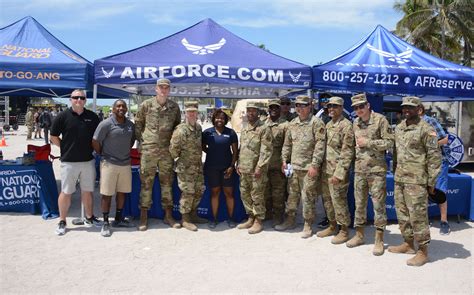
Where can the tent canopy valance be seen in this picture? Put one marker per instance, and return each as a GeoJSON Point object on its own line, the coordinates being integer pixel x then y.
{"type": "Point", "coordinates": [383, 63]}
{"type": "Point", "coordinates": [203, 60]}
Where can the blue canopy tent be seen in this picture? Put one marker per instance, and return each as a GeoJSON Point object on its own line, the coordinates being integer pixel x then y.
{"type": "Point", "coordinates": [204, 60]}
{"type": "Point", "coordinates": [384, 64]}
{"type": "Point", "coordinates": [35, 63]}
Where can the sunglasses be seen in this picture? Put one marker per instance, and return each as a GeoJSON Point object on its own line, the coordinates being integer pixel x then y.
{"type": "Point", "coordinates": [300, 105]}
{"type": "Point", "coordinates": [333, 106]}
{"type": "Point", "coordinates": [359, 107]}
{"type": "Point", "coordinates": [78, 97]}
{"type": "Point", "coordinates": [285, 103]}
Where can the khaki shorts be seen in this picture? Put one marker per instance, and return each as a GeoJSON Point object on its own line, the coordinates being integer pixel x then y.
{"type": "Point", "coordinates": [115, 178]}
{"type": "Point", "coordinates": [72, 172]}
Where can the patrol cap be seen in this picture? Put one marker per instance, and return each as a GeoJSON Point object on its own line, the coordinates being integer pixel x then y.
{"type": "Point", "coordinates": [191, 106]}
{"type": "Point", "coordinates": [303, 99]}
{"type": "Point", "coordinates": [163, 81]}
{"type": "Point", "coordinates": [273, 102]}
{"type": "Point", "coordinates": [336, 100]}
{"type": "Point", "coordinates": [411, 101]}
{"type": "Point", "coordinates": [285, 100]}
{"type": "Point", "coordinates": [358, 99]}
{"type": "Point", "coordinates": [252, 104]}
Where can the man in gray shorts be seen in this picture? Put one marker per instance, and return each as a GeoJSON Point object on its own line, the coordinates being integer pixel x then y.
{"type": "Point", "coordinates": [76, 126]}
{"type": "Point", "coordinates": [113, 139]}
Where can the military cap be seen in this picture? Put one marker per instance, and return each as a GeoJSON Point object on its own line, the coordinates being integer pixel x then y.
{"type": "Point", "coordinates": [273, 102]}
{"type": "Point", "coordinates": [253, 104]}
{"type": "Point", "coordinates": [358, 99]}
{"type": "Point", "coordinates": [191, 106]}
{"type": "Point", "coordinates": [302, 99]}
{"type": "Point", "coordinates": [411, 101]}
{"type": "Point", "coordinates": [285, 99]}
{"type": "Point", "coordinates": [336, 100]}
{"type": "Point", "coordinates": [163, 81]}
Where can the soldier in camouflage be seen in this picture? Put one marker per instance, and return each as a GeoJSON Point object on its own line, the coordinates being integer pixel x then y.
{"type": "Point", "coordinates": [304, 148]}
{"type": "Point", "coordinates": [373, 137]}
{"type": "Point", "coordinates": [154, 124]}
{"type": "Point", "coordinates": [417, 163]}
{"type": "Point", "coordinates": [276, 186]}
{"type": "Point", "coordinates": [29, 122]}
{"type": "Point", "coordinates": [186, 150]}
{"type": "Point", "coordinates": [285, 109]}
{"type": "Point", "coordinates": [254, 157]}
{"type": "Point", "coordinates": [335, 181]}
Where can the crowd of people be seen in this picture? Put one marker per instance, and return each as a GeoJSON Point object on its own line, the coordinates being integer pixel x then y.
{"type": "Point", "coordinates": [280, 160]}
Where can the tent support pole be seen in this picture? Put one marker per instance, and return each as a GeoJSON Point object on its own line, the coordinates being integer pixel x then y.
{"type": "Point", "coordinates": [94, 97]}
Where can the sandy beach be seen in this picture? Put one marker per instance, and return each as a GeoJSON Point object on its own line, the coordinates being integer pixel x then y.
{"type": "Point", "coordinates": [33, 260]}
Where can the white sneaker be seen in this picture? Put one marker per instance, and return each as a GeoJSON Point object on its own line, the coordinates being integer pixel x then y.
{"type": "Point", "coordinates": [61, 229]}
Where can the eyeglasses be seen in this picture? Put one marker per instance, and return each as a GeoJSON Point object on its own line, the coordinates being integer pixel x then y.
{"type": "Point", "coordinates": [359, 107]}
{"type": "Point", "coordinates": [78, 97]}
{"type": "Point", "coordinates": [285, 103]}
{"type": "Point", "coordinates": [300, 105]}
{"type": "Point", "coordinates": [333, 106]}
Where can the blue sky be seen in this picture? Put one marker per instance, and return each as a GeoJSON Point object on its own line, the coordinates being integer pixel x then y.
{"type": "Point", "coordinates": [308, 31]}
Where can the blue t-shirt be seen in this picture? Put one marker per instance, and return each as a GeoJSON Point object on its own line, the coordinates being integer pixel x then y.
{"type": "Point", "coordinates": [219, 155]}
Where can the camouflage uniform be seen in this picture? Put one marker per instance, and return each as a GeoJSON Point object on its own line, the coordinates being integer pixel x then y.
{"type": "Point", "coordinates": [289, 117]}
{"type": "Point", "coordinates": [339, 156]}
{"type": "Point", "coordinates": [30, 123]}
{"type": "Point", "coordinates": [304, 147]}
{"type": "Point", "coordinates": [417, 163]}
{"type": "Point", "coordinates": [276, 186]}
{"type": "Point", "coordinates": [154, 126]}
{"type": "Point", "coordinates": [371, 168]}
{"type": "Point", "coordinates": [255, 151]}
{"type": "Point", "coordinates": [187, 149]}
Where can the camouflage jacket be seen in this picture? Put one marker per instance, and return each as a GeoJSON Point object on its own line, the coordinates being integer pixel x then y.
{"type": "Point", "coordinates": [186, 147]}
{"type": "Point", "coordinates": [289, 117]}
{"type": "Point", "coordinates": [417, 157]}
{"type": "Point", "coordinates": [255, 147]}
{"type": "Point", "coordinates": [305, 143]}
{"type": "Point", "coordinates": [29, 119]}
{"type": "Point", "coordinates": [371, 158]}
{"type": "Point", "coordinates": [278, 130]}
{"type": "Point", "coordinates": [154, 123]}
{"type": "Point", "coordinates": [339, 148]}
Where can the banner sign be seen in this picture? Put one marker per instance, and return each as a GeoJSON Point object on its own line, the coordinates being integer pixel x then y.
{"type": "Point", "coordinates": [20, 191]}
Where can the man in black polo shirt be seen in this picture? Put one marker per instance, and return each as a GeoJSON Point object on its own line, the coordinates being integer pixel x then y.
{"type": "Point", "coordinates": [76, 127]}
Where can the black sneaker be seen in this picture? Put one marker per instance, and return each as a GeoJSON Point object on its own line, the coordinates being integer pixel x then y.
{"type": "Point", "coordinates": [444, 228]}
{"type": "Point", "coordinates": [93, 221]}
{"type": "Point", "coordinates": [105, 231]}
{"type": "Point", "coordinates": [122, 223]}
{"type": "Point", "coordinates": [324, 223]}
{"type": "Point", "coordinates": [231, 223]}
{"type": "Point", "coordinates": [61, 229]}
{"type": "Point", "coordinates": [212, 224]}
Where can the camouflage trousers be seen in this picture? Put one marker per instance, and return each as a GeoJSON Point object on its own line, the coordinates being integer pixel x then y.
{"type": "Point", "coordinates": [300, 185]}
{"type": "Point", "coordinates": [376, 184]}
{"type": "Point", "coordinates": [275, 192]}
{"type": "Point", "coordinates": [252, 194]}
{"type": "Point", "coordinates": [411, 203]}
{"type": "Point", "coordinates": [192, 188]}
{"type": "Point", "coordinates": [149, 162]}
{"type": "Point", "coordinates": [30, 132]}
{"type": "Point", "coordinates": [335, 200]}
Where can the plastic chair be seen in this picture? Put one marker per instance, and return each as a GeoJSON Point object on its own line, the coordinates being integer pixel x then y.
{"type": "Point", "coordinates": [42, 153]}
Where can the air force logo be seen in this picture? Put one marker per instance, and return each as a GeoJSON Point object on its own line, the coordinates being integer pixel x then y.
{"type": "Point", "coordinates": [203, 50]}
{"type": "Point", "coordinates": [108, 74]}
{"type": "Point", "coordinates": [295, 78]}
{"type": "Point", "coordinates": [400, 58]}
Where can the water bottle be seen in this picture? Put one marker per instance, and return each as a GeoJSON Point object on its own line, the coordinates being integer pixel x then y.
{"type": "Point", "coordinates": [288, 170]}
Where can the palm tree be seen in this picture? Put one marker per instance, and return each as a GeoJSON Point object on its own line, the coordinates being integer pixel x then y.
{"type": "Point", "coordinates": [441, 27]}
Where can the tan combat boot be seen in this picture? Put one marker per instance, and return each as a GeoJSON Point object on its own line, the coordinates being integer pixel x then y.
{"type": "Point", "coordinates": [256, 227]}
{"type": "Point", "coordinates": [406, 247]}
{"type": "Point", "coordinates": [307, 229]}
{"type": "Point", "coordinates": [378, 244]}
{"type": "Point", "coordinates": [143, 226]}
{"type": "Point", "coordinates": [357, 239]}
{"type": "Point", "coordinates": [247, 224]}
{"type": "Point", "coordinates": [420, 258]}
{"type": "Point", "coordinates": [196, 219]}
{"type": "Point", "coordinates": [187, 224]}
{"type": "Point", "coordinates": [277, 219]}
{"type": "Point", "coordinates": [329, 231]}
{"type": "Point", "coordinates": [342, 236]}
{"type": "Point", "coordinates": [290, 223]}
{"type": "Point", "coordinates": [169, 220]}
